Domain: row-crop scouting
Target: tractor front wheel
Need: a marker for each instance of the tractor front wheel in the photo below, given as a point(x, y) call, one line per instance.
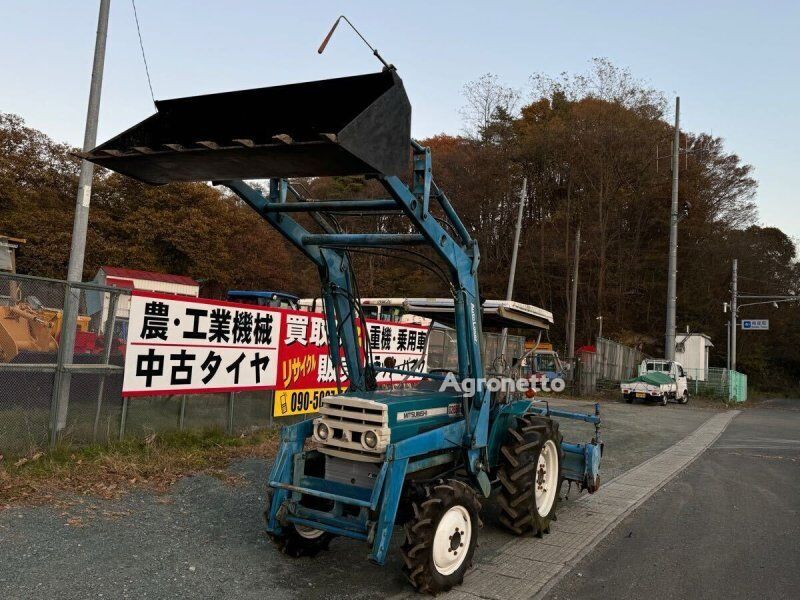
point(440, 536)
point(297, 540)
point(530, 475)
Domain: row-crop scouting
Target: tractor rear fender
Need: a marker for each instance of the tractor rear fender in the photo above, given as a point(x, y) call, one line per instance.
point(503, 419)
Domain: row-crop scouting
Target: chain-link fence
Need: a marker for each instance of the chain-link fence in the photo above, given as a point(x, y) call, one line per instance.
point(36, 374)
point(717, 382)
point(45, 396)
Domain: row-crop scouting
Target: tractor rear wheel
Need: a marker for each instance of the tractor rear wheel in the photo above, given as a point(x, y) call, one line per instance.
point(440, 536)
point(530, 475)
point(297, 540)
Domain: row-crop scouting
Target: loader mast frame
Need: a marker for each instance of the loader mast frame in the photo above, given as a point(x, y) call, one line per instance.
point(328, 251)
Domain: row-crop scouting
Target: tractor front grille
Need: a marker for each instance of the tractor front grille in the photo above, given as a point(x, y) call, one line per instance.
point(348, 419)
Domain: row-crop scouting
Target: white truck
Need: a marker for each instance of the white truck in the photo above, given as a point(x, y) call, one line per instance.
point(659, 381)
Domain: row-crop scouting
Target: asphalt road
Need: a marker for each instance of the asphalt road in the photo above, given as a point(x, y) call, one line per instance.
point(205, 539)
point(727, 527)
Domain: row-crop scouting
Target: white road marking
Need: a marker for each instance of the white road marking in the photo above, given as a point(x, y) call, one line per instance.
point(529, 567)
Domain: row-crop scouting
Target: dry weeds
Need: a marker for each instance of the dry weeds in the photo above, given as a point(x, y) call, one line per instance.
point(65, 475)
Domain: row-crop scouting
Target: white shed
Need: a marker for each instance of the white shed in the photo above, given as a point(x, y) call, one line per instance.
point(97, 304)
point(692, 351)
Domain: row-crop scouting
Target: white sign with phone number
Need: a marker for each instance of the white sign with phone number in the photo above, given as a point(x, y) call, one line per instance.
point(182, 346)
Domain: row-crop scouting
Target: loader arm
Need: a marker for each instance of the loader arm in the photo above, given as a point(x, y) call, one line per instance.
point(357, 125)
point(328, 252)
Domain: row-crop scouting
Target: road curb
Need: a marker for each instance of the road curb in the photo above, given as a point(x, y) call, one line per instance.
point(528, 568)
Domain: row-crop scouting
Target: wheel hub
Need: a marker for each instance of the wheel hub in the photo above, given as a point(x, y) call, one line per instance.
point(546, 478)
point(455, 541)
point(451, 540)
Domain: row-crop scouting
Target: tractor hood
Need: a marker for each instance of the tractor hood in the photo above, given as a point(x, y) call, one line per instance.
point(412, 410)
point(408, 405)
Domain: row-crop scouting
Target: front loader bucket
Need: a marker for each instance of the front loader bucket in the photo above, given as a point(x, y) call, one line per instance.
point(347, 126)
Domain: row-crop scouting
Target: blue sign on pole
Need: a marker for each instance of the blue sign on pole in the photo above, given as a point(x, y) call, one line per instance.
point(755, 324)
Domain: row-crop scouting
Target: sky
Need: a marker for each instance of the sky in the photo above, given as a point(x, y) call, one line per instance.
point(735, 64)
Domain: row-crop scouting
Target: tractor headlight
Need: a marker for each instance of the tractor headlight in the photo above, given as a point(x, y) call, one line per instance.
point(322, 431)
point(370, 439)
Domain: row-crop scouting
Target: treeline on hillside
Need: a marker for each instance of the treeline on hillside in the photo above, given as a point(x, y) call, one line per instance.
point(187, 229)
point(595, 151)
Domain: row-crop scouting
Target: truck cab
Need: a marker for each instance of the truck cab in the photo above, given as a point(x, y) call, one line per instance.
point(541, 359)
point(547, 362)
point(672, 368)
point(675, 389)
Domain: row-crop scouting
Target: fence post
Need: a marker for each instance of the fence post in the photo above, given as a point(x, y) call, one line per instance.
point(123, 418)
point(183, 413)
point(231, 396)
point(58, 377)
point(108, 340)
point(271, 408)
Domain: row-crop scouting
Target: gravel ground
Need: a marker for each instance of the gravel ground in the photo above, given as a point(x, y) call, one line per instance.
point(205, 538)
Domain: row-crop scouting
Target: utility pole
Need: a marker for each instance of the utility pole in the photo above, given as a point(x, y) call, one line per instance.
point(514, 252)
point(728, 331)
point(734, 310)
point(600, 328)
point(672, 288)
point(573, 305)
point(80, 225)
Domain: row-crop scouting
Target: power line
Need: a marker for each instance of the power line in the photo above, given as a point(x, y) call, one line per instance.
point(141, 45)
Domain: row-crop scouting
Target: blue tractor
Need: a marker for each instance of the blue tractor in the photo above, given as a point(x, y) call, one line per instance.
point(426, 456)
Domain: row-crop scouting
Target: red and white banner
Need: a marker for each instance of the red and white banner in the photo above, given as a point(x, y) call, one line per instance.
point(182, 345)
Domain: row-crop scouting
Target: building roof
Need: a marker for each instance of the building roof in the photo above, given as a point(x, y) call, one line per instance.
point(148, 276)
point(495, 313)
point(686, 337)
point(14, 240)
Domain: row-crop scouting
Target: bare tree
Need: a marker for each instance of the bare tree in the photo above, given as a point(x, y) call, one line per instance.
point(486, 98)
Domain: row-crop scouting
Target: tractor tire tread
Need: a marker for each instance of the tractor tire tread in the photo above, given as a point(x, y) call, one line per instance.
point(418, 564)
point(516, 497)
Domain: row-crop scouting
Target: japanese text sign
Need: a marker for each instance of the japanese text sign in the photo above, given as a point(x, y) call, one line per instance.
point(181, 345)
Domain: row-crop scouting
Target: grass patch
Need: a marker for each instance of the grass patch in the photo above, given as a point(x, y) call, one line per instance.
point(107, 471)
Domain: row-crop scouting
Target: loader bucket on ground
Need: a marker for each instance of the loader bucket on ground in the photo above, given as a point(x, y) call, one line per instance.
point(347, 126)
